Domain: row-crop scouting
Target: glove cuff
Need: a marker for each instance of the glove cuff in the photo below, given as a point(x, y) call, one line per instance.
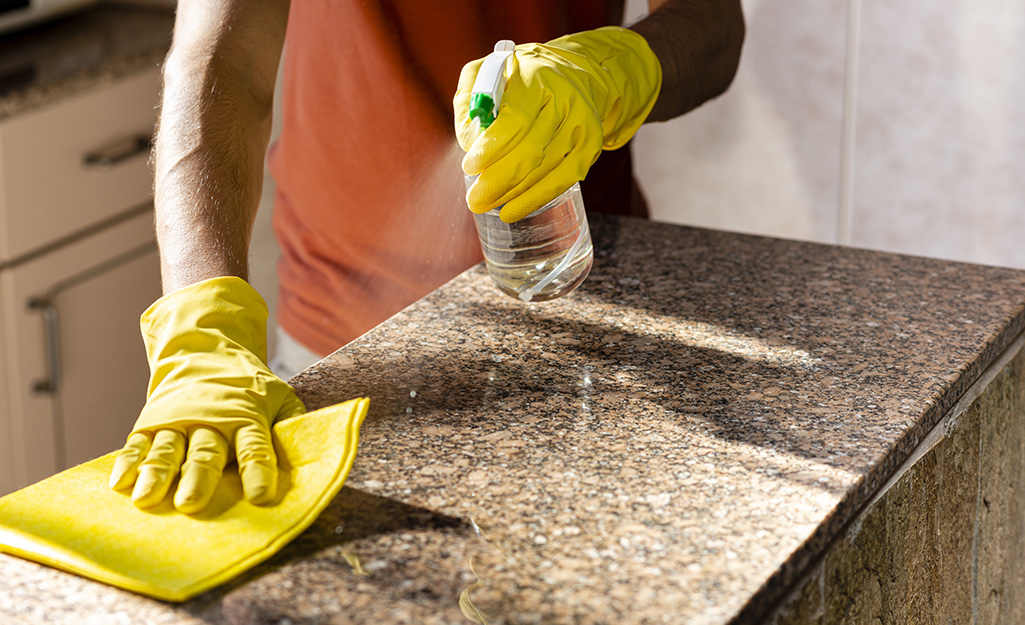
point(212, 312)
point(631, 73)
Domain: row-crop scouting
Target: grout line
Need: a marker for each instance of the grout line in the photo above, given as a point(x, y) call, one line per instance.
point(845, 212)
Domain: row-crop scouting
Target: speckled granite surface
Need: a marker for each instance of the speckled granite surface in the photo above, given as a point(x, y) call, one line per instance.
point(82, 51)
point(674, 442)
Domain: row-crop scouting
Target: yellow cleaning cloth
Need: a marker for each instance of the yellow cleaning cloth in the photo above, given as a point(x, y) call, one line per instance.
point(75, 522)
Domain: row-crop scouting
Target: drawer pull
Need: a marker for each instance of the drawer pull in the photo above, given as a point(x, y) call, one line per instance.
point(47, 307)
point(51, 385)
point(121, 151)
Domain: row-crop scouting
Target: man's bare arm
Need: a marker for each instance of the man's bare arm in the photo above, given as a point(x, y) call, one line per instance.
point(212, 135)
point(698, 44)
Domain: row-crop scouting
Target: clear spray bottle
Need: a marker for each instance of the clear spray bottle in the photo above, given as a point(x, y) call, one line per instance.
point(548, 253)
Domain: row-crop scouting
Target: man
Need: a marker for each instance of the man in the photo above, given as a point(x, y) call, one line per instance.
point(367, 179)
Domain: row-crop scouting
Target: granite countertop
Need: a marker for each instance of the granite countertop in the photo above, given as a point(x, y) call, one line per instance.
point(673, 442)
point(81, 51)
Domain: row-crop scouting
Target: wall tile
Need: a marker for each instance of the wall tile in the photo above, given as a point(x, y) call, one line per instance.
point(765, 157)
point(939, 165)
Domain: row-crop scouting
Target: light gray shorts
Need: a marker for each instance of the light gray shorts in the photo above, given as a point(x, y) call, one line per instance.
point(291, 356)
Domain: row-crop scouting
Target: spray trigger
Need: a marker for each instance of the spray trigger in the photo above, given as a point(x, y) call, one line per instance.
point(486, 95)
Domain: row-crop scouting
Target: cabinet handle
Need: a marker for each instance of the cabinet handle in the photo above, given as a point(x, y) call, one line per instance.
point(45, 305)
point(121, 151)
point(51, 385)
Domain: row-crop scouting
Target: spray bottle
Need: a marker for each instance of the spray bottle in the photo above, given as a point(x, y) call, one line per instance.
point(548, 253)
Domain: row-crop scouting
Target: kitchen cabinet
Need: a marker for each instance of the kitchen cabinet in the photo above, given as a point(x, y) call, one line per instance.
point(78, 264)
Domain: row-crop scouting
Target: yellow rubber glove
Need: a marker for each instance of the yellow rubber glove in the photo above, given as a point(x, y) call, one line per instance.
point(564, 102)
point(211, 398)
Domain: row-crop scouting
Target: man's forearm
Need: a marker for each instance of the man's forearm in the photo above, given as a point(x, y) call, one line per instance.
point(212, 136)
point(698, 44)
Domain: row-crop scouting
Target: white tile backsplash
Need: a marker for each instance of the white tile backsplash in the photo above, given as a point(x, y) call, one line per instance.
point(763, 158)
point(940, 141)
point(935, 154)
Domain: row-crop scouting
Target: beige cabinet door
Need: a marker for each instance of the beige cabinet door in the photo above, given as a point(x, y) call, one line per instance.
point(6, 467)
point(77, 370)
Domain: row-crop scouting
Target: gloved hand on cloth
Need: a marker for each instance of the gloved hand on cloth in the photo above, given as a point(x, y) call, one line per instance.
point(211, 398)
point(564, 102)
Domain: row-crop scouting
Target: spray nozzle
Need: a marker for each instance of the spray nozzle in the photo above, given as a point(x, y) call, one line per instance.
point(486, 95)
point(483, 109)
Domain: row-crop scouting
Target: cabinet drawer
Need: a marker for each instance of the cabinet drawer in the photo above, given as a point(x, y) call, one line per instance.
point(73, 165)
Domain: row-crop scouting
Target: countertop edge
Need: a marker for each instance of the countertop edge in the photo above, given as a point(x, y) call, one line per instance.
point(111, 54)
point(777, 587)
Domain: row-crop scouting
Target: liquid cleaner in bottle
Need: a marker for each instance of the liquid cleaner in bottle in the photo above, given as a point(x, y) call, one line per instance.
point(548, 253)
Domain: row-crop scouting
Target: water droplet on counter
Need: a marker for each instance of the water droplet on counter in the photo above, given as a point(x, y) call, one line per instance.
point(478, 531)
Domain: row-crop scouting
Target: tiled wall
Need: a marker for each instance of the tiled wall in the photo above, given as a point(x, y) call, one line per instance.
point(896, 125)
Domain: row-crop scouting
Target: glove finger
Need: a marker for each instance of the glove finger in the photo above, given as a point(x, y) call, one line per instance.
point(531, 159)
point(159, 469)
point(126, 464)
point(522, 103)
point(465, 129)
point(504, 135)
point(544, 190)
point(204, 464)
point(257, 463)
point(570, 155)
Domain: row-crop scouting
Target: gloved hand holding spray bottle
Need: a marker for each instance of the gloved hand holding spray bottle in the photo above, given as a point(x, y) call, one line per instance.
point(547, 253)
point(566, 100)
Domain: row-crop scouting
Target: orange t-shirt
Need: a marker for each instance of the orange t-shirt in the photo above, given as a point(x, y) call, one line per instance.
point(370, 210)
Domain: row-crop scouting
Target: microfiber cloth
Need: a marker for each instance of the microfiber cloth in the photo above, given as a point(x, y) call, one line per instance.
point(75, 522)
